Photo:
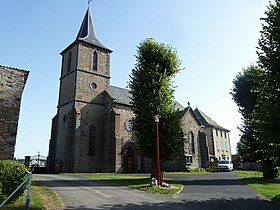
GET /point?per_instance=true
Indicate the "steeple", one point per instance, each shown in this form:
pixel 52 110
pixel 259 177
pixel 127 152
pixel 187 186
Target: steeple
pixel 86 32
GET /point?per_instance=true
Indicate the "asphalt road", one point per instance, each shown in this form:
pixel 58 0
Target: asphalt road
pixel 201 192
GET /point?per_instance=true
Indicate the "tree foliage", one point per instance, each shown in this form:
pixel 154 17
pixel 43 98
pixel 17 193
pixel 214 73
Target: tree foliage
pixel 245 94
pixel 256 91
pixel 153 93
pixel 267 115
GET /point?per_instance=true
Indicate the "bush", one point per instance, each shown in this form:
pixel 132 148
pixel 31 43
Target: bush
pixel 187 169
pixel 199 169
pixel 12 174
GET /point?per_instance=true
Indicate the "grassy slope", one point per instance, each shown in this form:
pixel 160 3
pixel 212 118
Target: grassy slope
pixel 265 187
pixel 41 198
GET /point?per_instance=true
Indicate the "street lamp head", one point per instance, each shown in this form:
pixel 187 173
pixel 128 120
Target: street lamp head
pixel 156 118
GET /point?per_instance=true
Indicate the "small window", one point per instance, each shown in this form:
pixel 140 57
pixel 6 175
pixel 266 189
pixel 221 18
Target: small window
pixel 93 85
pixel 128 125
pixel 216 132
pixel 69 62
pixel 91 141
pixel 191 142
pixel 189 159
pixel 218 145
pixel 94 60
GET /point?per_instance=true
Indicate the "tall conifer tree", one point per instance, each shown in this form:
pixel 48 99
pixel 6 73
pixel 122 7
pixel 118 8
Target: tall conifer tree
pixel 153 94
pixel 263 118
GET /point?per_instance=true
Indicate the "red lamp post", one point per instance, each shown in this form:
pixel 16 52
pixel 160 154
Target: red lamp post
pixel 158 177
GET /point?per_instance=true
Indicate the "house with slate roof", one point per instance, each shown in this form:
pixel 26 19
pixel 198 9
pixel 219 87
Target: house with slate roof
pixel 91 131
pixel 218 137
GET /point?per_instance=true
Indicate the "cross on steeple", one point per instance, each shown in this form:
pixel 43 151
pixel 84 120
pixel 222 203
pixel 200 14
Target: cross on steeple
pixel 89 2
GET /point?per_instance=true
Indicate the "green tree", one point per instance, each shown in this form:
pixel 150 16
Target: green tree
pixel 267 114
pixel 245 94
pixel 261 111
pixel 152 93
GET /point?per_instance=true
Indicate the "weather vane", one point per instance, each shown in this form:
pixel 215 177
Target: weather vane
pixel 89 2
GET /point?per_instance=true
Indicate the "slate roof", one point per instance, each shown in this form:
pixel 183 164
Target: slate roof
pixel 123 96
pixel 207 121
pixel 179 106
pixel 120 95
pixel 86 32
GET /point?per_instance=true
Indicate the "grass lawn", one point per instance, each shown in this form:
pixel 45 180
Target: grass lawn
pixel 41 198
pixel 266 187
pixel 135 182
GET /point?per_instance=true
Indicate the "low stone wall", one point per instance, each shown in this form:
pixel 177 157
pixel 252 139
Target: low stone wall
pixel 251 166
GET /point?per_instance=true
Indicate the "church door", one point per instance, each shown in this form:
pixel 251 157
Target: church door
pixel 128 160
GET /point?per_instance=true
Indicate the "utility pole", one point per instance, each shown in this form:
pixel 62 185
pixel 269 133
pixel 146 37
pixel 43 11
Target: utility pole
pixel 158 177
pixel 38 159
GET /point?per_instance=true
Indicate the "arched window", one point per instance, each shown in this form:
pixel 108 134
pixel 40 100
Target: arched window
pixel 91 141
pixel 191 142
pixel 94 60
pixel 69 62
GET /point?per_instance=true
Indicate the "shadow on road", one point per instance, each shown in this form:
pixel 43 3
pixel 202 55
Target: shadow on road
pixel 73 183
pixel 213 204
pixel 215 182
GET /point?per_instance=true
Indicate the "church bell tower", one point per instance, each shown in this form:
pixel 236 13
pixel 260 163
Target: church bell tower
pixel 85 74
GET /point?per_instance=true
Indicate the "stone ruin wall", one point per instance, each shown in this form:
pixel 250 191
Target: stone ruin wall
pixel 12 82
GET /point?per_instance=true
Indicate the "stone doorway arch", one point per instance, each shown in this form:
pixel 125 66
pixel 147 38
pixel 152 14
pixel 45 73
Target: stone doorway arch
pixel 129 158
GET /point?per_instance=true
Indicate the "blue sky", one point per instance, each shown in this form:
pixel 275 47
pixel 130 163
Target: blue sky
pixel 214 39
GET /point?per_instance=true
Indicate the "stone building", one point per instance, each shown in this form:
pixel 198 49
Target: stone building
pixel 12 82
pixel 91 131
pixel 218 137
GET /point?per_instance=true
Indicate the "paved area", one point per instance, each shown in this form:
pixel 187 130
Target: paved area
pixel 201 192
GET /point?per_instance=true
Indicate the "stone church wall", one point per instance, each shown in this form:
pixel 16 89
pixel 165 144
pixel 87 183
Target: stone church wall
pixel 12 82
pixel 123 135
pixel 91 115
pixel 85 59
pixel 69 61
pixel 190 125
pixel 52 146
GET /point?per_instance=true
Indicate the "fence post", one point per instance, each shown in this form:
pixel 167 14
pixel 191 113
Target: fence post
pixel 8 198
pixel 27 202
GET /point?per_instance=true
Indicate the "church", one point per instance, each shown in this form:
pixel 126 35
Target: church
pixel 91 131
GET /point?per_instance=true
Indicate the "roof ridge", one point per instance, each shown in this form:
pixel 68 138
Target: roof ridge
pixel 119 87
pixel 208 119
pixel 18 69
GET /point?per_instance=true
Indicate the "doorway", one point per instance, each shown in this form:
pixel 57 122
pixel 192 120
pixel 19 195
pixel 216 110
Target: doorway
pixel 129 158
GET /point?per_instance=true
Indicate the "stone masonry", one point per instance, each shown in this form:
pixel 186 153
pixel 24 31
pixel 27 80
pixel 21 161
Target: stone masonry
pixel 12 82
pixel 91 131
